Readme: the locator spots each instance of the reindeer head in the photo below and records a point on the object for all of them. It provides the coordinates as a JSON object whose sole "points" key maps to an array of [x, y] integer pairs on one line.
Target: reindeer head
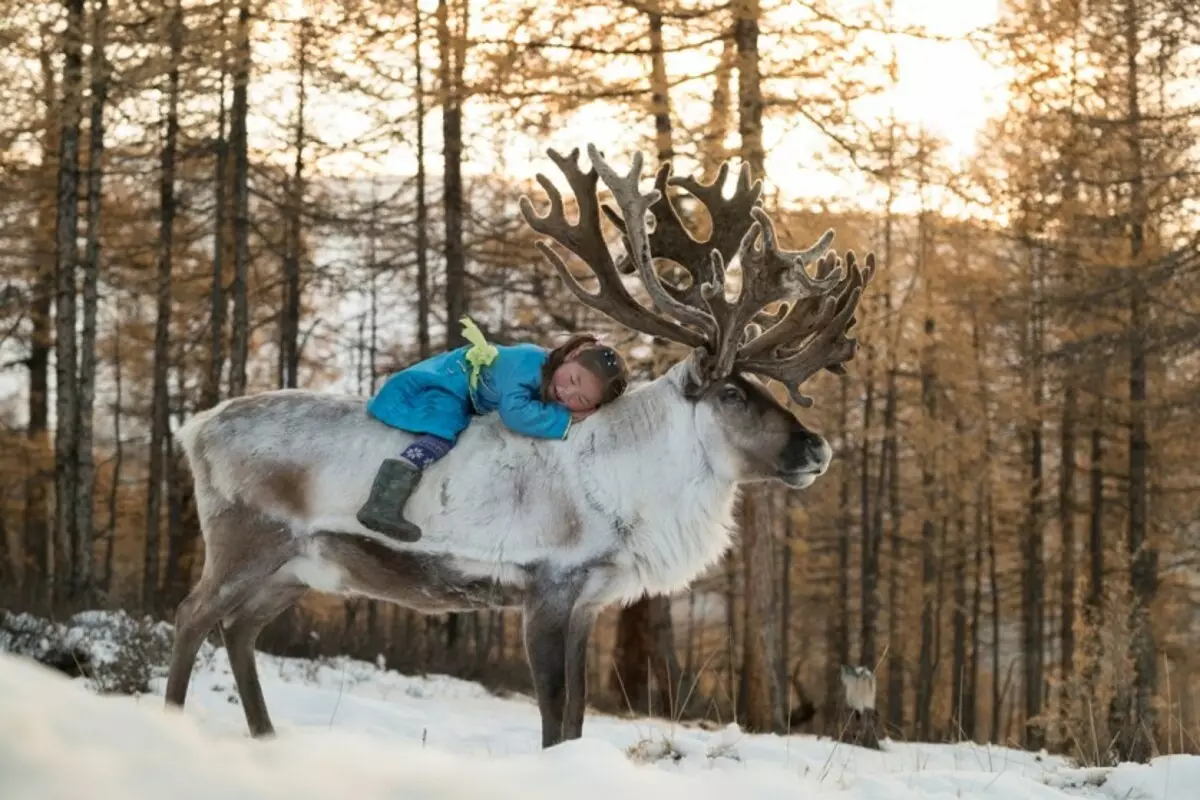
{"points": [[734, 338]]}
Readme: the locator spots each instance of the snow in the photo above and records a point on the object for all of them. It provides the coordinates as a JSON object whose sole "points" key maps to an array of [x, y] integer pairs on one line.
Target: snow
{"points": [[351, 728]]}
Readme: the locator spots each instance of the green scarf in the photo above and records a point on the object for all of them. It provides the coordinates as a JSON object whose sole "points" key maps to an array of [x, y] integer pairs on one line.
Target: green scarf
{"points": [[480, 354]]}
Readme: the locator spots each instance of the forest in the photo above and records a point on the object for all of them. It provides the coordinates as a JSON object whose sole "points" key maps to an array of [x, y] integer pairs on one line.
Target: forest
{"points": [[201, 199]]}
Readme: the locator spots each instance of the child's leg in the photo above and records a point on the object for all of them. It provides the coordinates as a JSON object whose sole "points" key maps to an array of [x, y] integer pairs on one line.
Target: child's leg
{"points": [[425, 450], [394, 483]]}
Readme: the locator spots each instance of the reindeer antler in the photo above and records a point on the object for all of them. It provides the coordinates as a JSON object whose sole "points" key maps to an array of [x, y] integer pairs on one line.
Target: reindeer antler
{"points": [[811, 334], [586, 240], [805, 334]]}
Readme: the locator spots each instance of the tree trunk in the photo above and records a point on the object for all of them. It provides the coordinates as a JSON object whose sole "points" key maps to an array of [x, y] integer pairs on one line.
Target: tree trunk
{"points": [[994, 585], [239, 348], [1033, 580], [715, 133], [839, 614], [1138, 740], [988, 525], [38, 566], [869, 589], [750, 102], [645, 649], [785, 610], [160, 425], [889, 462], [1066, 524], [660, 107], [66, 406], [970, 711], [923, 710], [958, 646], [763, 702], [896, 632], [732, 678], [217, 299], [424, 348], [110, 534], [763, 708], [452, 51], [85, 527], [289, 317], [1095, 596]]}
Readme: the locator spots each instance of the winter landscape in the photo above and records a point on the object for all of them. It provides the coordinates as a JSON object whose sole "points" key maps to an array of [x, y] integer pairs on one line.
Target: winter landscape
{"points": [[617, 399]]}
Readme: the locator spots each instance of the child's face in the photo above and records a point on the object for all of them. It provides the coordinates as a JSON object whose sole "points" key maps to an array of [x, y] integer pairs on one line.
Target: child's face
{"points": [[576, 387]]}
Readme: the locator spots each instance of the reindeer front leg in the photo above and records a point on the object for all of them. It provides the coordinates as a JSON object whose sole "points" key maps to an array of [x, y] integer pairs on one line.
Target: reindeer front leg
{"points": [[553, 647], [578, 632]]}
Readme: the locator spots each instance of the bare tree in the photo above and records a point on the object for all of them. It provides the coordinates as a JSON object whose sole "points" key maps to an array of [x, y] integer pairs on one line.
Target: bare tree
{"points": [[239, 347], [289, 314], [66, 406], [160, 403], [85, 526]]}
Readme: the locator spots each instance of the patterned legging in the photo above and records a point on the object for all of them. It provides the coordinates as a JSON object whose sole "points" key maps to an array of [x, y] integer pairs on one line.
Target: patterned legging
{"points": [[426, 449]]}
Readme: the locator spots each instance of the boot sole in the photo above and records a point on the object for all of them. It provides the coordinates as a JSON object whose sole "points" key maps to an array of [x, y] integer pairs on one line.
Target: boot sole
{"points": [[389, 529]]}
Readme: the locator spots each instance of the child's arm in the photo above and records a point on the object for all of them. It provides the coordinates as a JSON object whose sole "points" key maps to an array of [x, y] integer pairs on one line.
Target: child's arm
{"points": [[521, 411]]}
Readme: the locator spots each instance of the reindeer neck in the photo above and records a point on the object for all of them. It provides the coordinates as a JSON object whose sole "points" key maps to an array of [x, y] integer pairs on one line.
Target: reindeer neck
{"points": [[645, 476]]}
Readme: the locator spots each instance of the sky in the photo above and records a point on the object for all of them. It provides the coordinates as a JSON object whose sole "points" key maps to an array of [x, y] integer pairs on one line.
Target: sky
{"points": [[946, 87]]}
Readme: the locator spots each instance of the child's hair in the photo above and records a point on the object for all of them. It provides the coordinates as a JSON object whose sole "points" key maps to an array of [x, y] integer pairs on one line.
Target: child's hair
{"points": [[601, 360]]}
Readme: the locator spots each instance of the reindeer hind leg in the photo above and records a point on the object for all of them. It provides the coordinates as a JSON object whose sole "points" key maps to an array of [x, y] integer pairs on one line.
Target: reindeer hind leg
{"points": [[243, 553], [199, 612], [240, 631]]}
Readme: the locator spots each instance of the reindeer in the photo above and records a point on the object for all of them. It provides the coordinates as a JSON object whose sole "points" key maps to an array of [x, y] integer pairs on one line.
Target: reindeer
{"points": [[638, 499]]}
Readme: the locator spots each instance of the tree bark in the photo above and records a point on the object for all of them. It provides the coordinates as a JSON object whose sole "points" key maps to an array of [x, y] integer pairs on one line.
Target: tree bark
{"points": [[289, 318], [1095, 596], [240, 344], [645, 649], [970, 712], [889, 460], [84, 523], [66, 407], [839, 612], [715, 133], [452, 50], [750, 102], [923, 709], [958, 646], [732, 677], [994, 586], [1066, 524], [869, 589], [37, 574], [424, 347], [1138, 741], [896, 633], [660, 107], [1032, 558], [217, 299], [110, 534], [763, 703], [763, 706], [160, 425]]}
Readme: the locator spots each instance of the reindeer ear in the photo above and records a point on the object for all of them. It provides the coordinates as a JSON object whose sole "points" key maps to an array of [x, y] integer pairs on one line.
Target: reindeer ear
{"points": [[695, 370]]}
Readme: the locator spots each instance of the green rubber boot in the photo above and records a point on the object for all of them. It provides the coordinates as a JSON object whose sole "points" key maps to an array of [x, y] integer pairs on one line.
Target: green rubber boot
{"points": [[384, 510]]}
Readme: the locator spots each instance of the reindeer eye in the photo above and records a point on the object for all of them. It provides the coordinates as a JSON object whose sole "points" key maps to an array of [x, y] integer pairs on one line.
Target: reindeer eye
{"points": [[732, 395]]}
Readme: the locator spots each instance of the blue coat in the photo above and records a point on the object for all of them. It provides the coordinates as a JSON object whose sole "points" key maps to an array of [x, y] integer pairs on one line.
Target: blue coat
{"points": [[433, 396]]}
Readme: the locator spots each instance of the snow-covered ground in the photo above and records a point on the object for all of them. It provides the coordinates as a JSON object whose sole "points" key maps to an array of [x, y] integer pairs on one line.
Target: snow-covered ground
{"points": [[349, 729]]}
